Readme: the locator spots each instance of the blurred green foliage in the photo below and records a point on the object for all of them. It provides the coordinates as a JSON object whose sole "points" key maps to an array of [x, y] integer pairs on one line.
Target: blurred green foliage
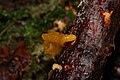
{"points": [[30, 22]]}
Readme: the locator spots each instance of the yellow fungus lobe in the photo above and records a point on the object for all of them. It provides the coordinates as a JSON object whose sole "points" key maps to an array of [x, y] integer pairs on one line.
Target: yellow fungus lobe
{"points": [[54, 41], [56, 66], [107, 17]]}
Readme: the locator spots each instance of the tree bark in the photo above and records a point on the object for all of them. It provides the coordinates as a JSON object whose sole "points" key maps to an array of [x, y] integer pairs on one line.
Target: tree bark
{"points": [[95, 41]]}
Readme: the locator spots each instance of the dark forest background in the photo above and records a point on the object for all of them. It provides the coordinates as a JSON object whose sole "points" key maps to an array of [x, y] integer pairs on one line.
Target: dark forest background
{"points": [[27, 19]]}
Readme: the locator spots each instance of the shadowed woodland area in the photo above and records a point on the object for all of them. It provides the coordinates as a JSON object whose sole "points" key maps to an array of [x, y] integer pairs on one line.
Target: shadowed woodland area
{"points": [[22, 23]]}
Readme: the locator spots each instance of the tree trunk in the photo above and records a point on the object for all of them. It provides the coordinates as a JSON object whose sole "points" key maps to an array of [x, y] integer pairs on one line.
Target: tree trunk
{"points": [[96, 24]]}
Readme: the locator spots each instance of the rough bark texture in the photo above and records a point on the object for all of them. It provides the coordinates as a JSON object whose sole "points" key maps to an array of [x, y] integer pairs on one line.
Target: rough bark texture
{"points": [[95, 40]]}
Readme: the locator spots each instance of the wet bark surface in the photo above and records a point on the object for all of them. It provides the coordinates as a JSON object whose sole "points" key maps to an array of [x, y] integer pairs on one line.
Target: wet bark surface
{"points": [[95, 41]]}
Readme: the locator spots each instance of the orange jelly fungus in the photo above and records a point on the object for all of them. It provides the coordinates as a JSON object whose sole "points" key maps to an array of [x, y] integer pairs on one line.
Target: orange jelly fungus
{"points": [[107, 17], [54, 41]]}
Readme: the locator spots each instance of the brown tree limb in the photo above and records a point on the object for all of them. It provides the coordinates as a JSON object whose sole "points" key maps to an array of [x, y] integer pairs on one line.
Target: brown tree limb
{"points": [[95, 41]]}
